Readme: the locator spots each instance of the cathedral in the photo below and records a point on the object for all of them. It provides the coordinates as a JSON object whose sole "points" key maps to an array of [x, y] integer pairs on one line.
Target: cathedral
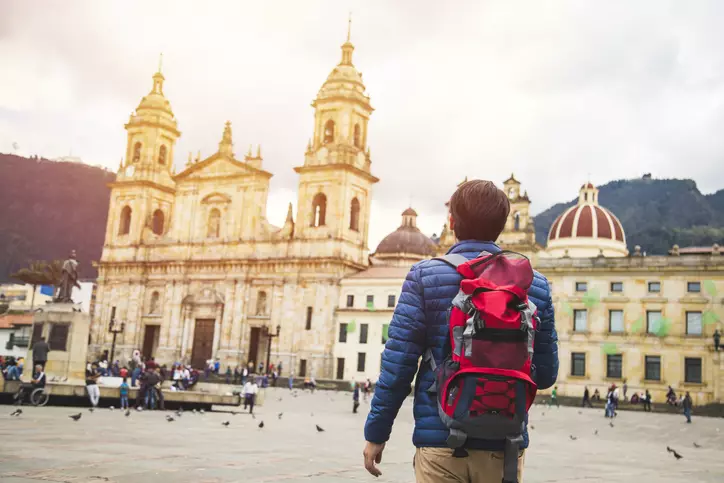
{"points": [[192, 270]]}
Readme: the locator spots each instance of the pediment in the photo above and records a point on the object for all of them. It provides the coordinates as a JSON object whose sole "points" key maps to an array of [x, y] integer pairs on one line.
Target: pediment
{"points": [[218, 166], [216, 198]]}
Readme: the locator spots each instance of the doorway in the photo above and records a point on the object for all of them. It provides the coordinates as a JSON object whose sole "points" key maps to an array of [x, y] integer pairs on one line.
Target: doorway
{"points": [[340, 368], [203, 341], [150, 341], [254, 346]]}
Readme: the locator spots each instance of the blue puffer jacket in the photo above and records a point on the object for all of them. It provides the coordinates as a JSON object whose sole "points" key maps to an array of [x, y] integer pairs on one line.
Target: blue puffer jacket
{"points": [[419, 322]]}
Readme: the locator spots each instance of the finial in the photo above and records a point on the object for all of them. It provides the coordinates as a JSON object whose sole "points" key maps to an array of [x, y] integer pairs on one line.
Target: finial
{"points": [[198, 156], [120, 166], [309, 145], [258, 151], [349, 27], [160, 62], [289, 213], [226, 146], [191, 159]]}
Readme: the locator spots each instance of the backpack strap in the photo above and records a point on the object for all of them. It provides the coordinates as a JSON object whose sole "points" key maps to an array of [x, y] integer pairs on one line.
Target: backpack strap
{"points": [[453, 259]]}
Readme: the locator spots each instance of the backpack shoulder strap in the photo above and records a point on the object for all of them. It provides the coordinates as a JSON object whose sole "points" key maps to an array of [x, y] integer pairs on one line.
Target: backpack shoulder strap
{"points": [[453, 259]]}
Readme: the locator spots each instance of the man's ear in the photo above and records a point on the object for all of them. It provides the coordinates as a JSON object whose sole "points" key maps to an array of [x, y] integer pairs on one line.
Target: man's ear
{"points": [[451, 222]]}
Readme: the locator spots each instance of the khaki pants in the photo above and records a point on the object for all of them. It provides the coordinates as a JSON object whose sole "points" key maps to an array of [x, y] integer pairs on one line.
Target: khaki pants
{"points": [[437, 465]]}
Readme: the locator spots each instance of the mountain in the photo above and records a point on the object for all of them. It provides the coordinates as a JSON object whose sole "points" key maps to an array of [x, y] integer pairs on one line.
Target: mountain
{"points": [[49, 208], [655, 213]]}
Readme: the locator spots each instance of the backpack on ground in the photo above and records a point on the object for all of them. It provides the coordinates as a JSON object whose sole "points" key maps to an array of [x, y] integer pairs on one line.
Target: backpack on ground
{"points": [[484, 386]]}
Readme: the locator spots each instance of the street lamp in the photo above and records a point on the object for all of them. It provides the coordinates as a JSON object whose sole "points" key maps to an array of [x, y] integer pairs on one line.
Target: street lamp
{"points": [[270, 336], [115, 328]]}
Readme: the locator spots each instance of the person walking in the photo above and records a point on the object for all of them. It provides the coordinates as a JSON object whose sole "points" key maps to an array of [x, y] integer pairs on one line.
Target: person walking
{"points": [[647, 401], [250, 390], [554, 398], [367, 387], [355, 398], [91, 384], [124, 389], [717, 340], [687, 404], [40, 353], [291, 380], [479, 212], [244, 375], [586, 398], [625, 389]]}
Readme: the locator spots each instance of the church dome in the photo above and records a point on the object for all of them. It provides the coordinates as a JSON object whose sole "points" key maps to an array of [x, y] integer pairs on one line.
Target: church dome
{"points": [[587, 229], [155, 102], [405, 245]]}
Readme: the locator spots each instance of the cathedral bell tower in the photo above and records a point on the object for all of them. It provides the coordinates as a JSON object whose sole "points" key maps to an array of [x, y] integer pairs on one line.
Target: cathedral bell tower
{"points": [[335, 181], [143, 193]]}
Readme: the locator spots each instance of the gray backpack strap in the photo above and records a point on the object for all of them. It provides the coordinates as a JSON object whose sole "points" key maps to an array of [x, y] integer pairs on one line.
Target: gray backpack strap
{"points": [[453, 259]]}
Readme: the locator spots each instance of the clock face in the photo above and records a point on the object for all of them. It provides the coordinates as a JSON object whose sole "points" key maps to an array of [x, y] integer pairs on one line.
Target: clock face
{"points": [[130, 170]]}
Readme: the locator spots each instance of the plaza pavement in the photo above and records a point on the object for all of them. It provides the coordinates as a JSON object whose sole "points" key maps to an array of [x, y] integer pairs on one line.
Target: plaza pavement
{"points": [[43, 444]]}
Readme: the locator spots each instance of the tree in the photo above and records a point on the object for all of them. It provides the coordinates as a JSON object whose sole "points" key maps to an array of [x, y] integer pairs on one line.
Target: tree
{"points": [[39, 273]]}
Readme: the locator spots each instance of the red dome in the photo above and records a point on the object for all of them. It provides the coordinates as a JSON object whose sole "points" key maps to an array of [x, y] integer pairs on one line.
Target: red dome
{"points": [[587, 220]]}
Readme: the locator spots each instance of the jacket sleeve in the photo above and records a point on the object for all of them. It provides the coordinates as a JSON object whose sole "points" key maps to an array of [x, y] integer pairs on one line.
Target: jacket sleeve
{"points": [[405, 344], [545, 352]]}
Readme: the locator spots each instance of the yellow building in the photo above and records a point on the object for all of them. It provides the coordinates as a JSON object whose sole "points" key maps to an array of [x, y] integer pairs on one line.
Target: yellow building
{"points": [[192, 270]]}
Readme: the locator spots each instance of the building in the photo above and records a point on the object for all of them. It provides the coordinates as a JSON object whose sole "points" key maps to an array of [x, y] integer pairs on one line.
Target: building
{"points": [[646, 320], [15, 332], [192, 270]]}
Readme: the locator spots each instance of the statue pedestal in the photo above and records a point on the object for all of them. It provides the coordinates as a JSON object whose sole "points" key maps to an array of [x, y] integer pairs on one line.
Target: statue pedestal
{"points": [[66, 330]]}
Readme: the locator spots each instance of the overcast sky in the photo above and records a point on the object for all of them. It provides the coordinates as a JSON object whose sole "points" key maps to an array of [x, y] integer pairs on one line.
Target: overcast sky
{"points": [[556, 91]]}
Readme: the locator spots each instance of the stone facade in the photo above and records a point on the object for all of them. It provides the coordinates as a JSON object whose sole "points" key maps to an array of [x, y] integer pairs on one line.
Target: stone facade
{"points": [[190, 263]]}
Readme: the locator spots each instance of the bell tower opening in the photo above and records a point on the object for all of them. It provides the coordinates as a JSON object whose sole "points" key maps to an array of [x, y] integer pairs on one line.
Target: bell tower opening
{"points": [[329, 132], [319, 210]]}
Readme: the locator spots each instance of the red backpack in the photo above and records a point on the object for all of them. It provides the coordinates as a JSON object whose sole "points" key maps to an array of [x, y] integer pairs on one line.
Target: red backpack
{"points": [[484, 386]]}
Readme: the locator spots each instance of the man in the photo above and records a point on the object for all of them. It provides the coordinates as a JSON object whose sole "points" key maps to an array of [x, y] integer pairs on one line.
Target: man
{"points": [[355, 398], [478, 214], [687, 403], [153, 377], [26, 389], [717, 340], [586, 398], [91, 384], [625, 389], [250, 390], [647, 401], [554, 398], [40, 353]]}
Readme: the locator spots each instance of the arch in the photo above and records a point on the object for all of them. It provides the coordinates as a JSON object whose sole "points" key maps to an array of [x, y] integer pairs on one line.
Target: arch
{"points": [[213, 227], [354, 215], [329, 132], [511, 193], [124, 227], [261, 303], [162, 155], [153, 307], [516, 221], [136, 152], [319, 209], [157, 222], [357, 136]]}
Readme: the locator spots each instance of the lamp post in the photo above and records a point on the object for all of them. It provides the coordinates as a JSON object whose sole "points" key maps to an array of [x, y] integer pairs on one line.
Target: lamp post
{"points": [[115, 328], [269, 336]]}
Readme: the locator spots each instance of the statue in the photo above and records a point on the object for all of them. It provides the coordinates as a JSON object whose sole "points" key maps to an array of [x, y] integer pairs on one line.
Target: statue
{"points": [[68, 280]]}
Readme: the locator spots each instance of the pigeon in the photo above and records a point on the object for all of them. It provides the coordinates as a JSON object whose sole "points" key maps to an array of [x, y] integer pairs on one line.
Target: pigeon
{"points": [[179, 413], [280, 399], [311, 414], [573, 438], [128, 412], [580, 412], [193, 411], [201, 411], [75, 417], [261, 425], [542, 414], [673, 451], [319, 429], [610, 424], [91, 410], [17, 412], [226, 423], [595, 432], [170, 419], [111, 408], [280, 415], [252, 416], [532, 427], [696, 445]]}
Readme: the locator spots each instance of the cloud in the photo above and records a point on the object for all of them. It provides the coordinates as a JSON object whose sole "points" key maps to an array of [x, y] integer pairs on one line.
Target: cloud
{"points": [[557, 92]]}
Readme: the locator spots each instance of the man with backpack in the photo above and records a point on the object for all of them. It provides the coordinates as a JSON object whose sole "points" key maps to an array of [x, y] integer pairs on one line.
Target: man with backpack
{"points": [[481, 364]]}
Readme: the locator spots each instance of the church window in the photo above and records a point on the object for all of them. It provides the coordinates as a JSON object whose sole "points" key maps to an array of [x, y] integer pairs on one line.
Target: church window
{"points": [[329, 132], [214, 225], [261, 303], [154, 305], [319, 209], [157, 224], [357, 140], [125, 226], [511, 193], [516, 222], [162, 155], [354, 215], [136, 152]]}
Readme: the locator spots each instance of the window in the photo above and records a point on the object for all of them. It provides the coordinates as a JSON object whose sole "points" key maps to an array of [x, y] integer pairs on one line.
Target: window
{"points": [[357, 140], [580, 320], [342, 333], [655, 287], [653, 321], [213, 227], [261, 303], [616, 286], [350, 300], [58, 338], [391, 301], [385, 329], [693, 323], [329, 132], [578, 364], [370, 301], [363, 333], [615, 321], [302, 368], [340, 368], [361, 356], [136, 153], [581, 286], [37, 334], [614, 364], [309, 319], [124, 228], [653, 368], [162, 155], [516, 222], [694, 287], [692, 370], [157, 223], [354, 215], [153, 306], [319, 209]]}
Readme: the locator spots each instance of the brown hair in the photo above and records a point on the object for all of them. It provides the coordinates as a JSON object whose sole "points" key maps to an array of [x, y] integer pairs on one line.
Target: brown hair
{"points": [[479, 210]]}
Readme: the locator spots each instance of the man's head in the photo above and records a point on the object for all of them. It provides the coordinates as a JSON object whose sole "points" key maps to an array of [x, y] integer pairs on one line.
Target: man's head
{"points": [[38, 368], [478, 211], [41, 339], [72, 254]]}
